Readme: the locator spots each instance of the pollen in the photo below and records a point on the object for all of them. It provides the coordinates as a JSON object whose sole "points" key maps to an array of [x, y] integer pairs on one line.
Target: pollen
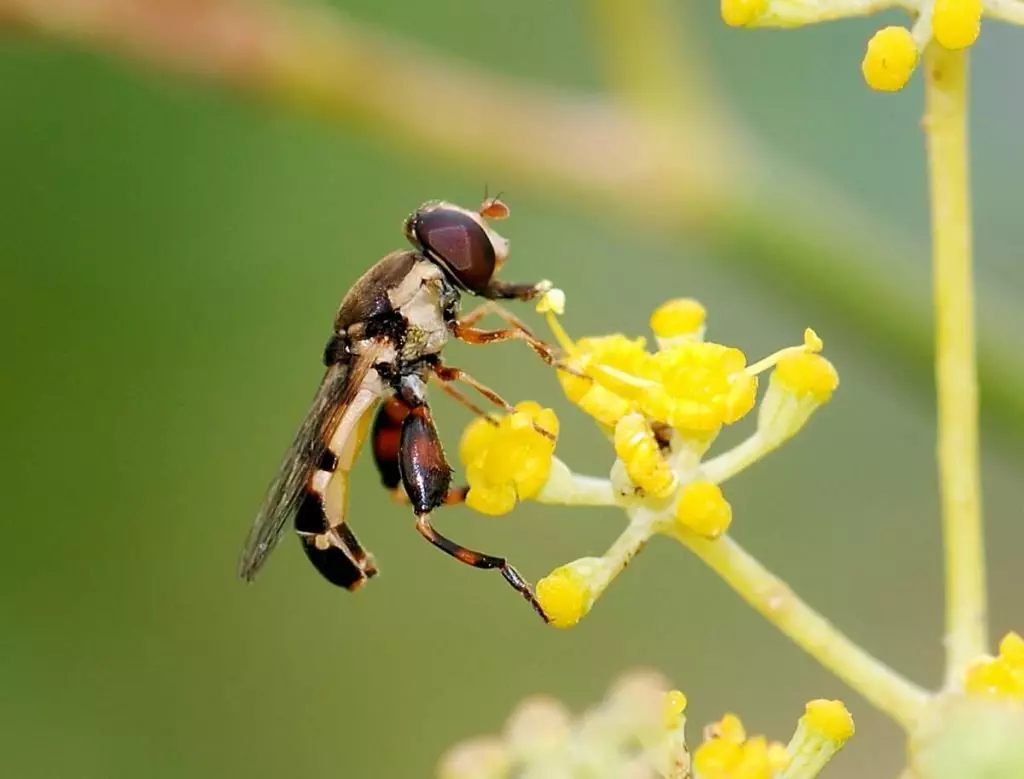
{"points": [[890, 59], [673, 708], [830, 718], [645, 464], [807, 374], [703, 509], [564, 596], [679, 318], [956, 24], [508, 461], [742, 13]]}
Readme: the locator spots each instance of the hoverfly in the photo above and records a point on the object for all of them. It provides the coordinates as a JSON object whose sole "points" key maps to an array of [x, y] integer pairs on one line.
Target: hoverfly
{"points": [[386, 346]]}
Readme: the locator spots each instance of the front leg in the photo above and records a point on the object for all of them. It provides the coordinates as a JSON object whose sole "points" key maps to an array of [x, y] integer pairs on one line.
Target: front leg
{"points": [[471, 335], [502, 290], [426, 477]]}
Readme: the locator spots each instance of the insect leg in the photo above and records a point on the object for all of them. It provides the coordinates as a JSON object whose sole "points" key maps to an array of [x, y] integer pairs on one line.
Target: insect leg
{"points": [[445, 375], [502, 290], [472, 335], [493, 307], [425, 475], [334, 551]]}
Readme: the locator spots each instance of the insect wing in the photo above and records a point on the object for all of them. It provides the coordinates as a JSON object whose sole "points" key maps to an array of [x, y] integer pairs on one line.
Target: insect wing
{"points": [[337, 390]]}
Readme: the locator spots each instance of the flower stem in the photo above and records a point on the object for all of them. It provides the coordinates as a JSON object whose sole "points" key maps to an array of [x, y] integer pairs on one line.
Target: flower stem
{"points": [[955, 361], [566, 488], [898, 697]]}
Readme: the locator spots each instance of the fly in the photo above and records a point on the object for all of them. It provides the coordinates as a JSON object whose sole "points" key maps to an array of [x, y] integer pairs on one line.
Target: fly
{"points": [[386, 346]]}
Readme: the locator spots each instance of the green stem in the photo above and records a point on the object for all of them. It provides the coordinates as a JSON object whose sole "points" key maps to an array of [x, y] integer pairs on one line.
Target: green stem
{"points": [[955, 363]]}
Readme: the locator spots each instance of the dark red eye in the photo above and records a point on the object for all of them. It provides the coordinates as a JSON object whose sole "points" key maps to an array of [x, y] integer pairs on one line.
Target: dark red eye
{"points": [[458, 243]]}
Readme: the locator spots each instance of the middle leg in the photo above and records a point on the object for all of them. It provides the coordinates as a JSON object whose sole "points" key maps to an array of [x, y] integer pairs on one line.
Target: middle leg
{"points": [[426, 477]]}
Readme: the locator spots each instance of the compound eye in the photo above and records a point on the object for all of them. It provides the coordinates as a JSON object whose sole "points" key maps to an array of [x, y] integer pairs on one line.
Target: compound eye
{"points": [[459, 244]]}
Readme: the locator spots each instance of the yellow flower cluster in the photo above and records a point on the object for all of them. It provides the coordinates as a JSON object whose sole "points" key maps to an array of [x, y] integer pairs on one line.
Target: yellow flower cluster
{"points": [[690, 385], [727, 753], [508, 460], [661, 410], [1000, 677], [893, 52], [638, 731]]}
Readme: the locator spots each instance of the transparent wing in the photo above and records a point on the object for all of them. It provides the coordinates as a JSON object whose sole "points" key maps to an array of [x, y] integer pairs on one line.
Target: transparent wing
{"points": [[337, 390]]}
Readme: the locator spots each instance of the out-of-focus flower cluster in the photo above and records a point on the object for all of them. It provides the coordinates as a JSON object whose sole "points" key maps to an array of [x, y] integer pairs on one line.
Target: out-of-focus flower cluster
{"points": [[893, 52], [661, 409], [637, 732]]}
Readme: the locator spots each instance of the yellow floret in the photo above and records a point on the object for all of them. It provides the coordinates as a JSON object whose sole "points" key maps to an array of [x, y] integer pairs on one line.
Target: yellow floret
{"points": [[806, 374], [994, 678], [564, 596], [730, 728], [778, 757], [830, 718], [700, 387], [740, 13], [716, 759], [704, 510], [675, 705], [602, 358], [1011, 650], [890, 59], [679, 317], [956, 24], [509, 461], [812, 341], [727, 753], [645, 465]]}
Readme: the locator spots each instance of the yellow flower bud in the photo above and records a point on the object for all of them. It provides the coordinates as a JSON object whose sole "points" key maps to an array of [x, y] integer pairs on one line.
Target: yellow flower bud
{"points": [[703, 509], [678, 320], [890, 59], [830, 718], [994, 678], [741, 13], [675, 705], [564, 594], [808, 374], [1011, 649], [956, 24]]}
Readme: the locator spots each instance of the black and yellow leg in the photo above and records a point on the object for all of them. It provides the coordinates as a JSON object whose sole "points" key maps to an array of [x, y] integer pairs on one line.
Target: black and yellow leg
{"points": [[426, 477]]}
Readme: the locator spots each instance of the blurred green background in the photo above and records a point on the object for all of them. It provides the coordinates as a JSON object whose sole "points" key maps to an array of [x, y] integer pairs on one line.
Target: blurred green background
{"points": [[170, 261]]}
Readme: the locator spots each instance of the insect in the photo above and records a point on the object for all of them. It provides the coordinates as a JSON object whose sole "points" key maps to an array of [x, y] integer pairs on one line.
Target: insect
{"points": [[385, 348]]}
